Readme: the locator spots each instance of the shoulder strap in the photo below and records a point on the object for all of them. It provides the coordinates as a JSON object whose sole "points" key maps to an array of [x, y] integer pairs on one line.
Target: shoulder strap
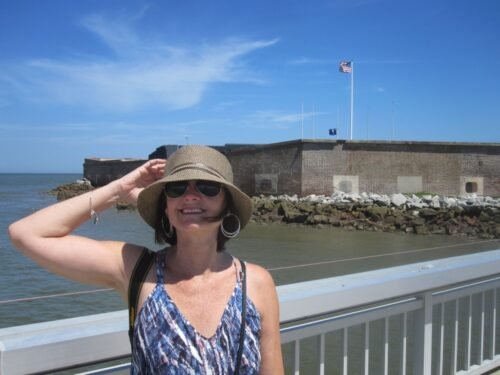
{"points": [[137, 278], [243, 316]]}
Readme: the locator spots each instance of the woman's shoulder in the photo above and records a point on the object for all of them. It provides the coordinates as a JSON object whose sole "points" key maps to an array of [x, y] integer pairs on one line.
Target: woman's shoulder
{"points": [[130, 254], [261, 287], [259, 276]]}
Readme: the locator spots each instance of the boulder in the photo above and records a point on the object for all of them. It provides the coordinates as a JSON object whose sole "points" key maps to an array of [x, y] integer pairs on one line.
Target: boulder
{"points": [[305, 206], [318, 219], [435, 202], [415, 202], [398, 199], [381, 200], [421, 229], [428, 213], [376, 212], [449, 202], [418, 221], [484, 217], [291, 214]]}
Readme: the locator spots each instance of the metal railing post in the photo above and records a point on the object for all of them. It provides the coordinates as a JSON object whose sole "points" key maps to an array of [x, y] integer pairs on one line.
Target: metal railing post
{"points": [[423, 337]]}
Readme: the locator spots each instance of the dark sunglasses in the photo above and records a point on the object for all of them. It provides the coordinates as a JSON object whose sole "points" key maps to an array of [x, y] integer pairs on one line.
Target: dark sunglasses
{"points": [[207, 188]]}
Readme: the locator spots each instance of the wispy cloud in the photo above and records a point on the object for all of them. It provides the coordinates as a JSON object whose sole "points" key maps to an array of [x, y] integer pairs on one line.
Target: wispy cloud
{"points": [[310, 61], [284, 118], [141, 72], [385, 62], [223, 106], [96, 132]]}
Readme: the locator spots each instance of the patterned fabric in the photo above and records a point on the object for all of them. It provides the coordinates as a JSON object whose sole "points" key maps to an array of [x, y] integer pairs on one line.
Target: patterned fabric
{"points": [[166, 343]]}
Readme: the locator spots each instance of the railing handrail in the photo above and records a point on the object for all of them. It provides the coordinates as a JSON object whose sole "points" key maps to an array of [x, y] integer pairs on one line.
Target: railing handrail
{"points": [[383, 284], [30, 348]]}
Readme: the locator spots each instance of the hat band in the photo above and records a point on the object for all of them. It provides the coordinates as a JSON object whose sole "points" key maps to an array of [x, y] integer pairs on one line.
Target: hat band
{"points": [[198, 166]]}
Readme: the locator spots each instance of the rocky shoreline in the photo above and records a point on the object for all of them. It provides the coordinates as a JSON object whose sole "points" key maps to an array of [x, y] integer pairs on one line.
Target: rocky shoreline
{"points": [[471, 216], [79, 187]]}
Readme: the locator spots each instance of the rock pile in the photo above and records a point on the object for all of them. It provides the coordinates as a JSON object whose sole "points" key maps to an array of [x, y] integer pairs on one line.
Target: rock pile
{"points": [[471, 215], [79, 187], [72, 189]]}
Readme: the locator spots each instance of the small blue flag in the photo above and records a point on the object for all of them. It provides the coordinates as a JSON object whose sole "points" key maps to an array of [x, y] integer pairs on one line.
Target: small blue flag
{"points": [[333, 131]]}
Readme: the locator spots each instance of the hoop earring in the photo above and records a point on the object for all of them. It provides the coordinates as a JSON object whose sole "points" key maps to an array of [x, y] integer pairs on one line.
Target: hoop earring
{"points": [[227, 233], [170, 232]]}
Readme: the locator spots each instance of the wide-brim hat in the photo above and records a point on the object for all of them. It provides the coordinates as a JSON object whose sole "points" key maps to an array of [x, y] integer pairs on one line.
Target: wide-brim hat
{"points": [[194, 162]]}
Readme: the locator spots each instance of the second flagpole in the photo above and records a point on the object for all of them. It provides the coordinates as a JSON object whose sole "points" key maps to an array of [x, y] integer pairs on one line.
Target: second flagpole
{"points": [[352, 97]]}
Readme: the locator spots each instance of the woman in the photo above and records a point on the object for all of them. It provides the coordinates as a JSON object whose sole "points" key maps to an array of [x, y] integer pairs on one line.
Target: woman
{"points": [[190, 305]]}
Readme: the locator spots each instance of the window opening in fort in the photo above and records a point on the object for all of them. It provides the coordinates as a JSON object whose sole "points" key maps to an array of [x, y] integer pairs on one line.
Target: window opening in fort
{"points": [[471, 187], [266, 185]]}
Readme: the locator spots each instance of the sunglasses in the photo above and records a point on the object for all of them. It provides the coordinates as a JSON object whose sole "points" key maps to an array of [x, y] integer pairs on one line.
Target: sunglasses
{"points": [[207, 188]]}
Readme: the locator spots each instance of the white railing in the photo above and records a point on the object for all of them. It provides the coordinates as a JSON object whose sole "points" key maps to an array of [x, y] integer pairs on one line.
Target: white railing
{"points": [[436, 317], [444, 310]]}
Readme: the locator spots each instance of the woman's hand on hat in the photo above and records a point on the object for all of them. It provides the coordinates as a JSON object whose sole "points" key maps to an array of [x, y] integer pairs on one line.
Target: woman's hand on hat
{"points": [[134, 182]]}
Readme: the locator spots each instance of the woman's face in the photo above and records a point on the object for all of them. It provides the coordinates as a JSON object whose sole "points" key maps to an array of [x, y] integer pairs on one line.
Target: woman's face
{"points": [[195, 210]]}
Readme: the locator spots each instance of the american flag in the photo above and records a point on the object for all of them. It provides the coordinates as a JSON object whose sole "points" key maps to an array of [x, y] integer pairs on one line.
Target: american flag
{"points": [[345, 67]]}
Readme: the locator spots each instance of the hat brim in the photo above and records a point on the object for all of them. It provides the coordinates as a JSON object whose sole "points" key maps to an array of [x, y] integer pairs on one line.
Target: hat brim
{"points": [[148, 200]]}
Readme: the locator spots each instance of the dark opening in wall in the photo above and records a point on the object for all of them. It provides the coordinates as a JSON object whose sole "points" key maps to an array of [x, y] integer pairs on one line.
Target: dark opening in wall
{"points": [[471, 187], [266, 185]]}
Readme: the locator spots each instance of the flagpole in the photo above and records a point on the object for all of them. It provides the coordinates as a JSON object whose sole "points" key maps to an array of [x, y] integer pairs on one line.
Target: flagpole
{"points": [[352, 95], [302, 118], [348, 67], [314, 133]]}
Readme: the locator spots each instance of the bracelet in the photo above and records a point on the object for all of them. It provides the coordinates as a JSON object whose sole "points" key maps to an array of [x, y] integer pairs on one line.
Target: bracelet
{"points": [[93, 213]]}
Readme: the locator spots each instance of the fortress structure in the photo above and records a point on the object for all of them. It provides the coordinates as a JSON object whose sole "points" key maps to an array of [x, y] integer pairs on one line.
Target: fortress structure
{"points": [[306, 167], [100, 171], [322, 167]]}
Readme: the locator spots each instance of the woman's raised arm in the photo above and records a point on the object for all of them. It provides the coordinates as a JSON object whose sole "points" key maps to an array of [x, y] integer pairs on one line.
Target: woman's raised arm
{"points": [[45, 236]]}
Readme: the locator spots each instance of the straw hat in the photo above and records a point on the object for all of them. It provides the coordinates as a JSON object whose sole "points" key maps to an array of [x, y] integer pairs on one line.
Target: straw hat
{"points": [[195, 163]]}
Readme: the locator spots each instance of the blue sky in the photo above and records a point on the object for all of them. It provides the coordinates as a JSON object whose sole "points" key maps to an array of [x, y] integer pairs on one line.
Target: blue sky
{"points": [[118, 78]]}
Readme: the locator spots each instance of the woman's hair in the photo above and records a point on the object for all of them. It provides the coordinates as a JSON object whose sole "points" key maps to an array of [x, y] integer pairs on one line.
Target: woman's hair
{"points": [[162, 224]]}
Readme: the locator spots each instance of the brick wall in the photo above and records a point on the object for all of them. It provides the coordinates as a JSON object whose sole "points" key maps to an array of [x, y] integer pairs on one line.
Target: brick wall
{"points": [[486, 166], [310, 167], [281, 160], [306, 167], [319, 161]]}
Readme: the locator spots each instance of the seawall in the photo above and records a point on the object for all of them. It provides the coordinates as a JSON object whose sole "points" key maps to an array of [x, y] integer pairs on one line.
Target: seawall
{"points": [[472, 216]]}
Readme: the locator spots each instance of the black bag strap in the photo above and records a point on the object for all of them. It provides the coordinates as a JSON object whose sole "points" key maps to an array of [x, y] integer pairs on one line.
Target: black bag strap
{"points": [[243, 316], [137, 278]]}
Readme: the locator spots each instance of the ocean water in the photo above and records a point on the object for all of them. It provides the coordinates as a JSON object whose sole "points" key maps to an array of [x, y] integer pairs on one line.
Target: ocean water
{"points": [[30, 294]]}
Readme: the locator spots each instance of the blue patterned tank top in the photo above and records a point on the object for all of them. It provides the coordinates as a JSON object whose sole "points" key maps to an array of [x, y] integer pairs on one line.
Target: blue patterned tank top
{"points": [[166, 343]]}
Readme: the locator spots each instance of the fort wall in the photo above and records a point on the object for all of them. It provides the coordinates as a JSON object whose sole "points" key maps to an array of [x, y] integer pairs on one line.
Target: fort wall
{"points": [[323, 167], [100, 171], [306, 167], [268, 169]]}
